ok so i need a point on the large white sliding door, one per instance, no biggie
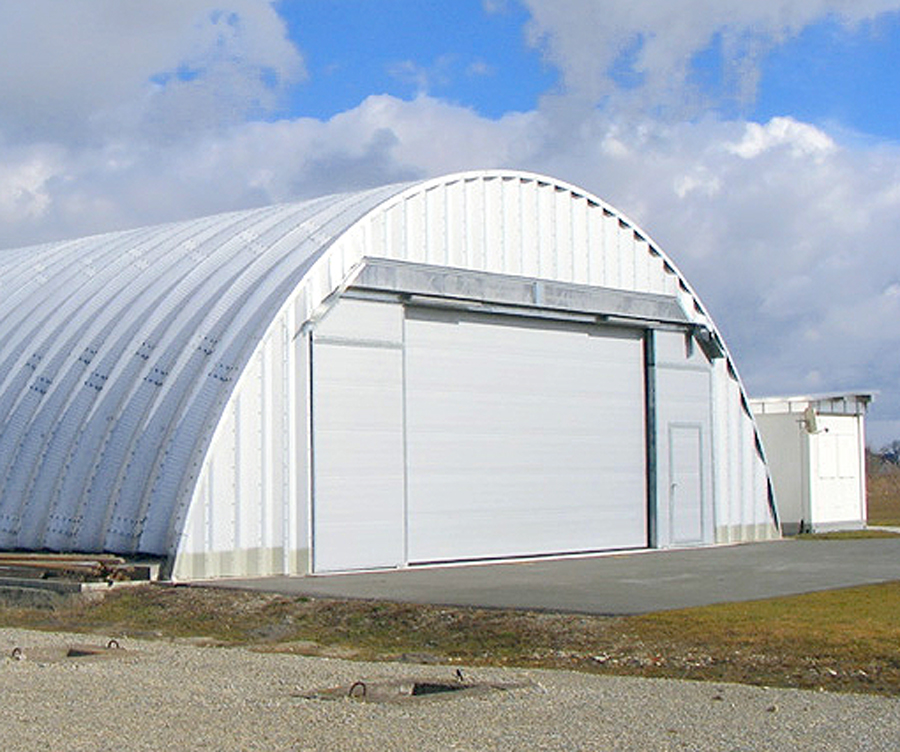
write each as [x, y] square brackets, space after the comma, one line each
[523, 437]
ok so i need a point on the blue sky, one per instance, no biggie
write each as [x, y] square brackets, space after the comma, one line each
[456, 51]
[757, 143]
[828, 74]
[837, 78]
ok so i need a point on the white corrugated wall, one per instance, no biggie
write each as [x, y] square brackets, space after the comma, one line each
[495, 222]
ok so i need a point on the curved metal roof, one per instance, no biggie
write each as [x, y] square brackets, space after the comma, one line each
[119, 352]
[109, 342]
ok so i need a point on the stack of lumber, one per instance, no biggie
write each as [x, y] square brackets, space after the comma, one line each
[84, 567]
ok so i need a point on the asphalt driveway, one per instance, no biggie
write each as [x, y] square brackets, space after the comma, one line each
[619, 584]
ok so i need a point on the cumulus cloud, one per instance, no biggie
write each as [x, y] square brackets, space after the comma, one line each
[24, 182]
[782, 132]
[640, 54]
[86, 69]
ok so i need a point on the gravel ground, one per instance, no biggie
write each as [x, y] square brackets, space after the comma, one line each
[165, 695]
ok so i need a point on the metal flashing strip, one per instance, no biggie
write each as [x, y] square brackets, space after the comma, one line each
[483, 291]
[357, 342]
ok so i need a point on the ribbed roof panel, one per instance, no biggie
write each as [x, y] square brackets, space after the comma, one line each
[110, 344]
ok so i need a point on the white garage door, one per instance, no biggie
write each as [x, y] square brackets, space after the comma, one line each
[522, 437]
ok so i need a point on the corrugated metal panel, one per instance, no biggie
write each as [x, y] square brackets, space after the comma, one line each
[512, 449]
[119, 353]
[114, 353]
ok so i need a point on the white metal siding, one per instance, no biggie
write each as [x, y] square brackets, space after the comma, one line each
[685, 513]
[522, 438]
[124, 358]
[357, 418]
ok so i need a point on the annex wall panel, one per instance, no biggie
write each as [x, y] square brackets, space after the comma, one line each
[785, 440]
[522, 438]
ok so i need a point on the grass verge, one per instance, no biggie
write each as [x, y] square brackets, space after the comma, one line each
[848, 535]
[842, 640]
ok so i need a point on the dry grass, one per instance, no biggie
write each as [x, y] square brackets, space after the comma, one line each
[883, 481]
[844, 640]
[848, 535]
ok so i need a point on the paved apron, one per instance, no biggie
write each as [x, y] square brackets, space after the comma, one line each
[619, 584]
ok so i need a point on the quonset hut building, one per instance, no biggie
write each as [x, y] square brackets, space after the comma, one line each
[488, 365]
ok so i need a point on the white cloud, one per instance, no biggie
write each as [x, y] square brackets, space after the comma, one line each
[83, 69]
[639, 53]
[24, 176]
[799, 138]
[424, 80]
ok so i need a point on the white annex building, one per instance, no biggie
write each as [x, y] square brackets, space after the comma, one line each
[488, 365]
[816, 447]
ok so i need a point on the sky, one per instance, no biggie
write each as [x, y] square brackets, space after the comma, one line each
[757, 143]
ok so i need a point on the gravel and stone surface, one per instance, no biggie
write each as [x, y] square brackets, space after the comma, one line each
[157, 695]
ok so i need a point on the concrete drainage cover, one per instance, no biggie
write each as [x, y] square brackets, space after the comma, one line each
[406, 690]
[67, 653]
